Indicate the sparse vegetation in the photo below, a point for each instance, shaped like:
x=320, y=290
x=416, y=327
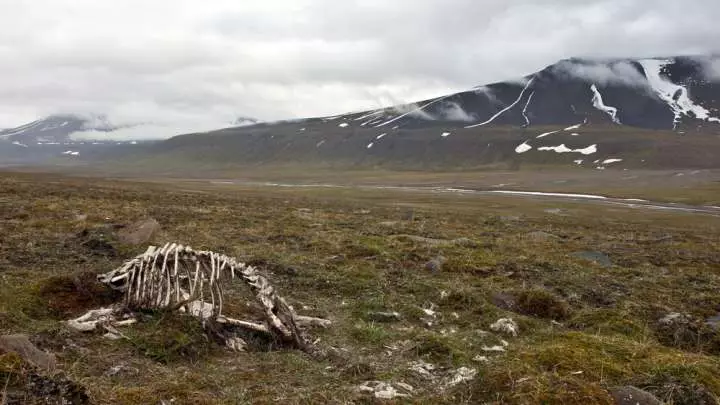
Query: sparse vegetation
x=583, y=327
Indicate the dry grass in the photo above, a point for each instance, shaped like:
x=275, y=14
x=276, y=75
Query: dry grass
x=334, y=253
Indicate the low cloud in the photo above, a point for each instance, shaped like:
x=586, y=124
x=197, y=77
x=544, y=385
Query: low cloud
x=452, y=111
x=621, y=72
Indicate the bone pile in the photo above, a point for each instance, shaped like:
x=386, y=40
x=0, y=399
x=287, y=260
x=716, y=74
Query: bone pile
x=176, y=277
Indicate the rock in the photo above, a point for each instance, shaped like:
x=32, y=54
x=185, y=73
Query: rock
x=388, y=224
x=384, y=316
x=539, y=236
x=714, y=322
x=688, y=333
x=506, y=326
x=465, y=242
x=435, y=265
x=22, y=345
x=598, y=257
x=555, y=211
x=633, y=396
x=408, y=214
x=139, y=233
x=81, y=217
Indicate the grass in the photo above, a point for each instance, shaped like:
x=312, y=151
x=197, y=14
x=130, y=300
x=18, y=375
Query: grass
x=342, y=254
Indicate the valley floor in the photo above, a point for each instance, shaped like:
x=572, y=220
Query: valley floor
x=603, y=295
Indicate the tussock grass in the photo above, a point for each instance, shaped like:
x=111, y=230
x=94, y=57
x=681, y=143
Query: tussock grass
x=583, y=327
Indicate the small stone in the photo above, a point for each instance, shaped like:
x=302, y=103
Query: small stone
x=506, y=326
x=633, y=396
x=598, y=257
x=140, y=232
x=465, y=242
x=384, y=316
x=81, y=217
x=541, y=236
x=435, y=265
x=408, y=215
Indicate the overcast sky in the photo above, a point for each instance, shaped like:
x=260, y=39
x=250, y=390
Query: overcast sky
x=206, y=62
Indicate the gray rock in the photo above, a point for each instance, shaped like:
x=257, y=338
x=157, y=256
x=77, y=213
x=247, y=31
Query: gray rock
x=22, y=345
x=541, y=236
x=140, y=232
x=633, y=396
x=714, y=322
x=465, y=242
x=435, y=265
x=597, y=257
x=408, y=215
x=384, y=316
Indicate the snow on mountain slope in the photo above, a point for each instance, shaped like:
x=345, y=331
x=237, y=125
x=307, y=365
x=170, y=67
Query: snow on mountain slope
x=675, y=95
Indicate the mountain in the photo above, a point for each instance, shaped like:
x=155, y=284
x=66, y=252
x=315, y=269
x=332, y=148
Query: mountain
x=55, y=129
x=619, y=113
x=52, y=140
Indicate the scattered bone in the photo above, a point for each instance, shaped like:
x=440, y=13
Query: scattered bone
x=461, y=375
x=423, y=369
x=383, y=390
x=506, y=326
x=445, y=378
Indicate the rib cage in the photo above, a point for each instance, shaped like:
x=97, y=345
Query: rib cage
x=176, y=276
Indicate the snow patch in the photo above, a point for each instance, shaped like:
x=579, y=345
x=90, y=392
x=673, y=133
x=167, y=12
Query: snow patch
x=598, y=103
x=538, y=193
x=319, y=144
x=446, y=134
x=572, y=128
x=371, y=114
x=501, y=112
x=578, y=162
x=71, y=153
x=524, y=111
x=523, y=147
x=564, y=149
x=370, y=145
x=609, y=161
x=344, y=125
x=19, y=144
x=543, y=135
x=379, y=137
x=675, y=95
x=415, y=111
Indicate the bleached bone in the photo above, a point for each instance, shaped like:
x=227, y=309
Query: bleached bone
x=177, y=277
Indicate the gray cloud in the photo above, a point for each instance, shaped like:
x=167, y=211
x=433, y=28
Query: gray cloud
x=602, y=74
x=189, y=64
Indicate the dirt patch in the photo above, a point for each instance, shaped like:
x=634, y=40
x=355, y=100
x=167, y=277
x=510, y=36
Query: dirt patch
x=70, y=296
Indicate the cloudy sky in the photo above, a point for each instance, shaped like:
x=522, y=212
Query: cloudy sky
x=202, y=63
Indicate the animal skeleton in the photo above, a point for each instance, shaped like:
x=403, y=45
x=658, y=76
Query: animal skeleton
x=176, y=277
